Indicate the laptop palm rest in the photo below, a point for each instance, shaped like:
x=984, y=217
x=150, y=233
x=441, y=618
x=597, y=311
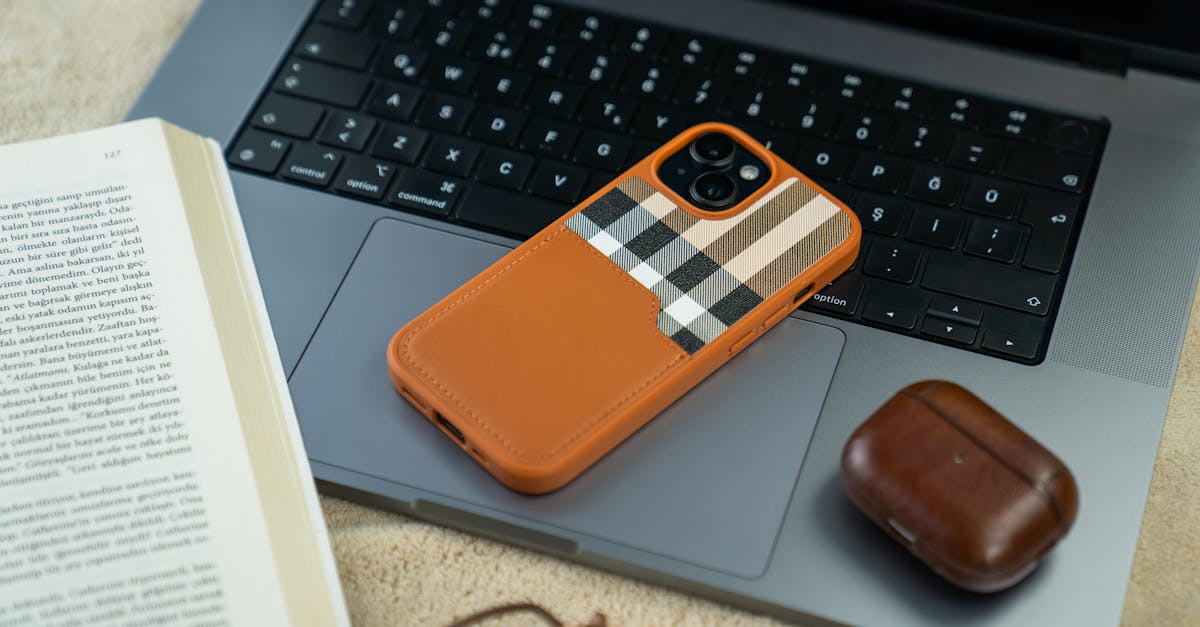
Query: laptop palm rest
x=706, y=482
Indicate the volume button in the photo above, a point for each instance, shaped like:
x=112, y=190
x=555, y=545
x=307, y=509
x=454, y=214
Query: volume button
x=742, y=343
x=774, y=318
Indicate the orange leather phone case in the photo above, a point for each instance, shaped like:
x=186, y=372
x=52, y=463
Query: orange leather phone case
x=566, y=346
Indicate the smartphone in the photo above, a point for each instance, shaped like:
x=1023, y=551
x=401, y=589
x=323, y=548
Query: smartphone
x=551, y=357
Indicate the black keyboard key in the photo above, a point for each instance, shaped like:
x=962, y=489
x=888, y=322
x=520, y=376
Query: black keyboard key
x=808, y=116
x=774, y=140
x=840, y=297
x=349, y=131
x=546, y=56
x=496, y=44
x=853, y=86
x=425, y=191
x=596, y=67
x=862, y=128
x=956, y=309
x=602, y=150
x=1073, y=134
x=953, y=331
x=959, y=109
x=259, y=151
x=497, y=125
x=754, y=104
x=794, y=75
x=745, y=63
x=923, y=141
x=659, y=121
x=364, y=177
x=504, y=169
x=935, y=227
x=1051, y=217
x=549, y=137
x=823, y=160
x=538, y=17
x=641, y=150
x=289, y=116
x=394, y=101
x=879, y=173
x=395, y=22
x=487, y=10
x=895, y=262
x=348, y=14
x=448, y=34
x=451, y=74
x=880, y=214
x=312, y=165
x=889, y=314
x=324, y=83
x=448, y=7
x=512, y=212
x=992, y=197
x=1009, y=344
x=701, y=92
x=336, y=46
x=993, y=240
x=451, y=156
x=975, y=152
x=646, y=80
x=903, y=96
x=555, y=99
x=445, y=113
x=502, y=86
x=1059, y=170
x=397, y=142
x=639, y=40
x=691, y=52
x=557, y=181
x=606, y=111
x=936, y=185
x=401, y=62
x=1015, y=121
x=990, y=282
x=587, y=28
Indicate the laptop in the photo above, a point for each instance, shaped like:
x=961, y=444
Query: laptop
x=1025, y=178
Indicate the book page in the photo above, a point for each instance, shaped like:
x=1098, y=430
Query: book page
x=126, y=490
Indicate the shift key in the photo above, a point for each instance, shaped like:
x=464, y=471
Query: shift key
x=989, y=282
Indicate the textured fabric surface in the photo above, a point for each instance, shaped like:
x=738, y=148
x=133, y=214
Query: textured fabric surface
x=71, y=65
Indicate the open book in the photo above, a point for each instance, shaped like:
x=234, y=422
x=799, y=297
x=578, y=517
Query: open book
x=151, y=468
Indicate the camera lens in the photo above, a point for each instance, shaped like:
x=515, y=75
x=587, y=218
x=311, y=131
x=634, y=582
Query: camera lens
x=713, y=149
x=714, y=189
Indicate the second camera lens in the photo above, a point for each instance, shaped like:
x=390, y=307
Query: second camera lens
x=714, y=189
x=713, y=149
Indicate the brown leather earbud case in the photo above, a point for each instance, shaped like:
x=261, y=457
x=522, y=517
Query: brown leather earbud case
x=965, y=490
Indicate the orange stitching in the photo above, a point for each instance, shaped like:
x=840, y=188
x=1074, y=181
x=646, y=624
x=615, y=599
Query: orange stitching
x=654, y=307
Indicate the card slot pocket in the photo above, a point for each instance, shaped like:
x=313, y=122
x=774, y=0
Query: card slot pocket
x=543, y=349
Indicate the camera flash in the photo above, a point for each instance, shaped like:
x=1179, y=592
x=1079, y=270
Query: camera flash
x=748, y=172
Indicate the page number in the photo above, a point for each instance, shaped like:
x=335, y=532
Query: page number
x=112, y=154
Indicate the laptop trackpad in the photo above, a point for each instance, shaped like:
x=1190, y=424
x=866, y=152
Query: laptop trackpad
x=707, y=482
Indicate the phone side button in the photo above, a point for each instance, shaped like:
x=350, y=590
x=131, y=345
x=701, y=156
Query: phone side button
x=742, y=343
x=774, y=318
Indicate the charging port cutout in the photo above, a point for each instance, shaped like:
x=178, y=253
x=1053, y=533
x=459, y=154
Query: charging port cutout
x=802, y=293
x=451, y=429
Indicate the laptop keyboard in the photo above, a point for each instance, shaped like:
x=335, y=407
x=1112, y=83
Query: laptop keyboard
x=501, y=115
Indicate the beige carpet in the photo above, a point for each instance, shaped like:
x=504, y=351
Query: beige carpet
x=70, y=65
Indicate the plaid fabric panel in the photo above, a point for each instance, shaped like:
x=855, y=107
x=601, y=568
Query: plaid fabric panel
x=707, y=274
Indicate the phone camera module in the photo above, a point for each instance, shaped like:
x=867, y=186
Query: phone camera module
x=713, y=149
x=713, y=189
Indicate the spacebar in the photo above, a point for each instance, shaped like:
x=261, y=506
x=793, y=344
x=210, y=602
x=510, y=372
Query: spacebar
x=991, y=283
x=502, y=210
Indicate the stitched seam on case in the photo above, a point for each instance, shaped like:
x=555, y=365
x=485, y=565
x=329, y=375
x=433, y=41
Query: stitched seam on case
x=654, y=308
